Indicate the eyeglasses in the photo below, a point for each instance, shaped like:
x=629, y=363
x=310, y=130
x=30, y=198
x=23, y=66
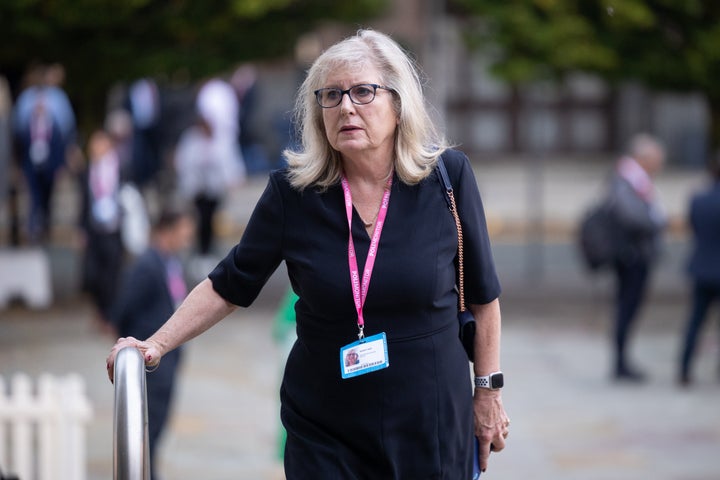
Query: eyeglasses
x=359, y=94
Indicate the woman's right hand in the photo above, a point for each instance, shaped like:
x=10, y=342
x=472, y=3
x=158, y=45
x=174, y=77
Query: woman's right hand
x=149, y=350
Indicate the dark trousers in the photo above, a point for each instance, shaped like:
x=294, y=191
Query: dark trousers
x=206, y=207
x=160, y=388
x=41, y=183
x=703, y=297
x=102, y=268
x=631, y=288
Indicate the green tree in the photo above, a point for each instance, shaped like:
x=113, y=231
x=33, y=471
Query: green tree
x=103, y=41
x=665, y=44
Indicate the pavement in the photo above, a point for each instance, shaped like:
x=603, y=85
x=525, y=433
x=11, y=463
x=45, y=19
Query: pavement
x=569, y=421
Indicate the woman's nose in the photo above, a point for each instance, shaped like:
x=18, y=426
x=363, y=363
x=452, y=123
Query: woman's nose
x=346, y=105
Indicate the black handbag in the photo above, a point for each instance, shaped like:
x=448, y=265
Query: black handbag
x=465, y=317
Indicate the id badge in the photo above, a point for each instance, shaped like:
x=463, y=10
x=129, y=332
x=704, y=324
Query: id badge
x=364, y=356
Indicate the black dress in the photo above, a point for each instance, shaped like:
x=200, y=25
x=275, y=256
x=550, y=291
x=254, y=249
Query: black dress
x=414, y=418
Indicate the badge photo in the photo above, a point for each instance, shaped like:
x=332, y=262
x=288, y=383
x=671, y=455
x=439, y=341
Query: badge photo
x=364, y=356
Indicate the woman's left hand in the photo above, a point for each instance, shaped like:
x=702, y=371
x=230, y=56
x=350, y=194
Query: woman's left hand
x=491, y=423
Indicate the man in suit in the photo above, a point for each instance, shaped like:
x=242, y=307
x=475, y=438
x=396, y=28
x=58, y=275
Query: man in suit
x=640, y=221
x=100, y=224
x=43, y=128
x=704, y=265
x=151, y=290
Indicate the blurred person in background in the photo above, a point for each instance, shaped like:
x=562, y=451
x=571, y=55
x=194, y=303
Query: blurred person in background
x=284, y=335
x=151, y=289
x=205, y=174
x=217, y=102
x=640, y=221
x=44, y=133
x=703, y=266
x=135, y=226
x=5, y=146
x=244, y=81
x=363, y=188
x=100, y=224
x=119, y=125
x=143, y=103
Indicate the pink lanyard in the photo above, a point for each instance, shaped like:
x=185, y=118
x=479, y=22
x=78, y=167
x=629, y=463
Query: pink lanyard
x=104, y=175
x=360, y=289
x=40, y=127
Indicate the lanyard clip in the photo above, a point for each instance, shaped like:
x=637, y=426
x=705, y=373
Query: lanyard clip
x=361, y=333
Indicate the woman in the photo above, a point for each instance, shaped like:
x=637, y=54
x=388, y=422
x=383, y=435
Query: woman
x=367, y=165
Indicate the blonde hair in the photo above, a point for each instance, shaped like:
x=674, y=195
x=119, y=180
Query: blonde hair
x=417, y=142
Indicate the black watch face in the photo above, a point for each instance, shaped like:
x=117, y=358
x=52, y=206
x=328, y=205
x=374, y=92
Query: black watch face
x=497, y=381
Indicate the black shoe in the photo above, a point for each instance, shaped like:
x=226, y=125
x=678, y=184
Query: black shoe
x=627, y=374
x=684, y=380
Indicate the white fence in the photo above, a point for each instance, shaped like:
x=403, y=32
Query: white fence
x=42, y=430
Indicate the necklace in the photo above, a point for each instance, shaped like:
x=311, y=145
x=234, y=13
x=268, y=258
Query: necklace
x=369, y=224
x=374, y=219
x=377, y=211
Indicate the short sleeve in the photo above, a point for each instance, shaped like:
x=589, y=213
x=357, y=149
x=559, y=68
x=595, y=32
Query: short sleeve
x=481, y=281
x=241, y=275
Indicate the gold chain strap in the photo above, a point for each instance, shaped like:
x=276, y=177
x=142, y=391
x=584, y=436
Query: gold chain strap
x=461, y=268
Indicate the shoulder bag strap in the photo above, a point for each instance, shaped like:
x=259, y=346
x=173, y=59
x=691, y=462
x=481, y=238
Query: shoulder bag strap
x=450, y=198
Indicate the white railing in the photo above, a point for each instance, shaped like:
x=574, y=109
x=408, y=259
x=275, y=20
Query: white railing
x=42, y=431
x=131, y=458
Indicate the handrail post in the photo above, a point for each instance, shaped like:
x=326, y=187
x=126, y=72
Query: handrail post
x=131, y=457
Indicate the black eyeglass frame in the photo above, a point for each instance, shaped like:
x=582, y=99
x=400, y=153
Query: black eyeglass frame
x=374, y=86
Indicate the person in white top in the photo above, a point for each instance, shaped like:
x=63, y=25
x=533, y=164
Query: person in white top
x=205, y=172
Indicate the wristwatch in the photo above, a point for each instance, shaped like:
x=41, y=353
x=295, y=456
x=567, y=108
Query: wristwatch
x=494, y=381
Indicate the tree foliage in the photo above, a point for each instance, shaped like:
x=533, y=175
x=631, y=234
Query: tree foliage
x=103, y=41
x=665, y=44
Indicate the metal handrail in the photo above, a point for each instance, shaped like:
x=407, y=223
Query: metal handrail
x=131, y=457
